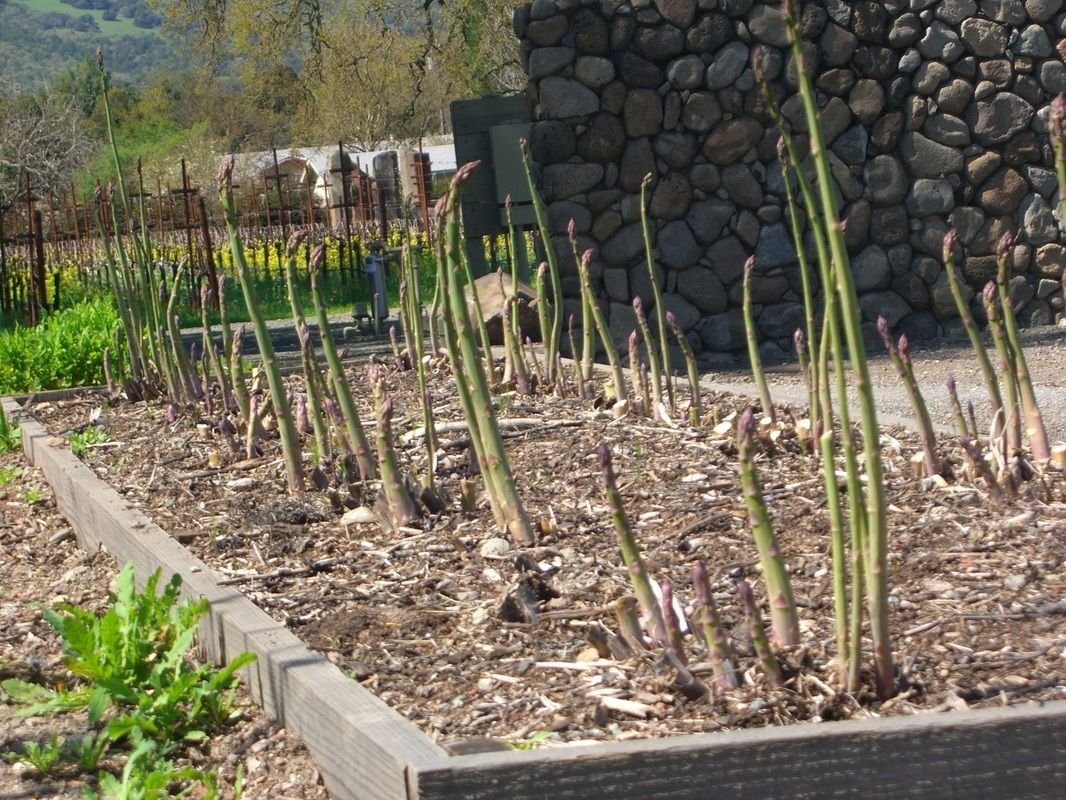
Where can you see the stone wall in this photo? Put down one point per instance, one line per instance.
(936, 115)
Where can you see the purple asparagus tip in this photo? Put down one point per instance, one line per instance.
(882, 326)
(904, 346)
(571, 230)
(638, 305)
(1003, 247)
(951, 240)
(800, 338)
(749, 265)
(699, 573)
(988, 294)
(746, 424)
(603, 453)
(318, 256)
(633, 338)
(225, 172)
(951, 383)
(297, 238)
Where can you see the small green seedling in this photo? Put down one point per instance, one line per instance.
(80, 442)
(8, 475)
(530, 742)
(9, 434)
(42, 757)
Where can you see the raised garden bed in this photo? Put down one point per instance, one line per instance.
(366, 749)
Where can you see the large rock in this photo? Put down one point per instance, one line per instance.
(887, 180)
(545, 61)
(741, 186)
(838, 45)
(946, 129)
(636, 72)
(594, 71)
(643, 113)
(871, 270)
(676, 149)
(591, 36)
(710, 32)
(1002, 193)
(562, 212)
(999, 117)
(774, 248)
(624, 246)
(929, 159)
(930, 196)
(671, 198)
(1050, 260)
(701, 112)
(678, 13)
(983, 37)
(1038, 223)
(780, 320)
(659, 44)
(767, 25)
(708, 218)
(686, 314)
(551, 142)
(561, 181)
(727, 257)
(686, 72)
(678, 248)
(726, 66)
(886, 304)
(732, 139)
(638, 160)
(563, 98)
(492, 295)
(604, 139)
(701, 287)
(724, 332)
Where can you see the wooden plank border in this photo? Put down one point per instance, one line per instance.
(366, 751)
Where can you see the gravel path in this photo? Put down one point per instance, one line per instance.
(1045, 353)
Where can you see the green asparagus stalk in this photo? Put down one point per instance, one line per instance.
(900, 358)
(1057, 128)
(287, 430)
(481, 414)
(1035, 431)
(752, 336)
(341, 390)
(579, 370)
(540, 278)
(617, 377)
(634, 370)
(767, 660)
(638, 573)
(660, 317)
(401, 507)
(1012, 417)
(951, 239)
(552, 337)
(653, 357)
(694, 411)
(719, 651)
(784, 619)
(876, 553)
(675, 639)
(956, 407)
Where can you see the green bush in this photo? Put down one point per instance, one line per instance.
(65, 350)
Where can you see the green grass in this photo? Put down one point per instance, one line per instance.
(122, 26)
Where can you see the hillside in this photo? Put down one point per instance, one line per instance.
(42, 39)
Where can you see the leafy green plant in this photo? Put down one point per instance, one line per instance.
(9, 434)
(42, 757)
(133, 658)
(146, 776)
(530, 742)
(79, 442)
(9, 475)
(32, 495)
(85, 752)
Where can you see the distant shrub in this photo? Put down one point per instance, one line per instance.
(65, 350)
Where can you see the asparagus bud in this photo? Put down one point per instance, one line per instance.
(719, 651)
(767, 659)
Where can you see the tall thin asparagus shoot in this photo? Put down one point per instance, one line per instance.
(694, 412)
(763, 651)
(617, 378)
(657, 296)
(341, 390)
(914, 393)
(783, 616)
(638, 573)
(752, 338)
(719, 651)
(400, 506)
(653, 357)
(469, 376)
(290, 442)
(951, 239)
(1011, 413)
(876, 552)
(1035, 432)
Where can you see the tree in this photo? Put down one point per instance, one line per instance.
(43, 138)
(376, 69)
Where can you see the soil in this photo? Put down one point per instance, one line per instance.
(42, 565)
(483, 644)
